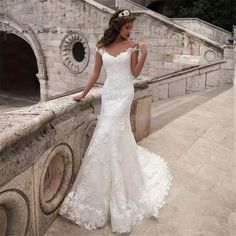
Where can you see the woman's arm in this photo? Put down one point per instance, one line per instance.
(137, 65)
(94, 77)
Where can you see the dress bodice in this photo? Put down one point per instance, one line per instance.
(119, 65)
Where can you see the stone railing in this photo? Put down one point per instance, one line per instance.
(41, 149)
(202, 27)
(188, 81)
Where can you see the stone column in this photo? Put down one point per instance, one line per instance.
(234, 28)
(141, 111)
(43, 87)
(228, 68)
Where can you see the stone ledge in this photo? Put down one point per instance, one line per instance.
(17, 124)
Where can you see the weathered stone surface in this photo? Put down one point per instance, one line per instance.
(163, 91)
(17, 201)
(177, 88)
(143, 117)
(213, 78)
(202, 27)
(196, 83)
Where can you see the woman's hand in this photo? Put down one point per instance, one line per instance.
(78, 97)
(143, 47)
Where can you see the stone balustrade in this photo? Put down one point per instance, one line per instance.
(202, 27)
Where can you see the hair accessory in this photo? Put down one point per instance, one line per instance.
(124, 13)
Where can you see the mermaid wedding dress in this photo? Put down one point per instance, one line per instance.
(118, 179)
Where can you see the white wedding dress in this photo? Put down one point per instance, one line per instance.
(118, 179)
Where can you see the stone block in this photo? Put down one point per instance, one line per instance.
(229, 65)
(177, 88)
(17, 204)
(227, 76)
(163, 91)
(196, 83)
(143, 117)
(213, 78)
(155, 91)
(187, 59)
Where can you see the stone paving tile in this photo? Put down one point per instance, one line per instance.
(198, 148)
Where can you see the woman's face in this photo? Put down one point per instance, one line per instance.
(126, 29)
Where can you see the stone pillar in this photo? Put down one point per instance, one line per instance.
(43, 87)
(228, 68)
(141, 111)
(234, 28)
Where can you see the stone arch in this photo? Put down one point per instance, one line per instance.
(24, 31)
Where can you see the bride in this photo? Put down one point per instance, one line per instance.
(118, 179)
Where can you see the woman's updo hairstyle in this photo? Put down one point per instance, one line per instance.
(117, 20)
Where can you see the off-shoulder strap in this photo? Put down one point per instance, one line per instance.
(99, 50)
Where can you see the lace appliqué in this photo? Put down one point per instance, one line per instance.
(101, 51)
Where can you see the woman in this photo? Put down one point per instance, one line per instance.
(118, 179)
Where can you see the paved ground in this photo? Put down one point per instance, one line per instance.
(194, 134)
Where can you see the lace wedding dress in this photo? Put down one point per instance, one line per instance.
(118, 179)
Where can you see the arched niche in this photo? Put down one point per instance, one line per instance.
(10, 26)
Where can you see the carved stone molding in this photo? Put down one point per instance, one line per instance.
(210, 55)
(14, 213)
(25, 32)
(75, 52)
(55, 178)
(87, 135)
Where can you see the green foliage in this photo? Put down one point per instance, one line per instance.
(218, 12)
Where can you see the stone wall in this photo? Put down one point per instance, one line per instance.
(204, 28)
(41, 150)
(171, 47)
(56, 26)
